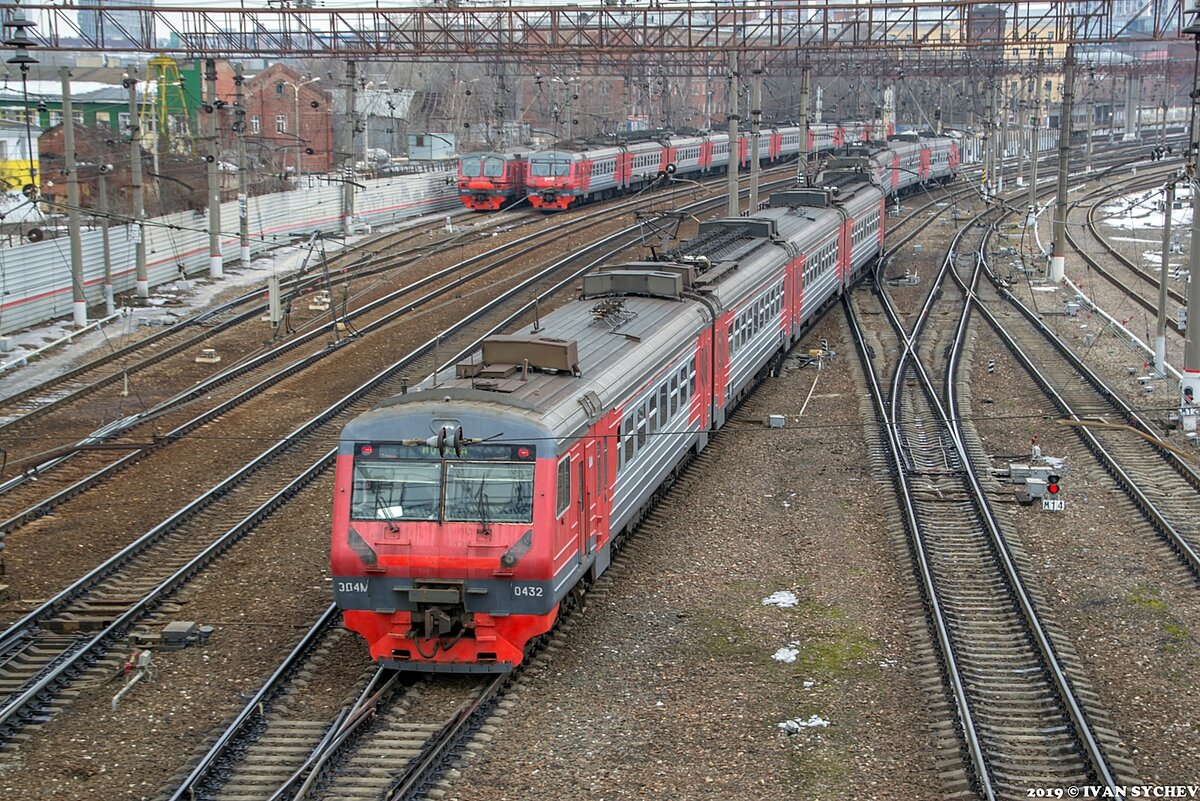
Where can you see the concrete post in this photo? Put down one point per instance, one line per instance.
(1058, 261)
(102, 189)
(802, 156)
(135, 185)
(239, 127)
(1160, 330)
(348, 166)
(216, 265)
(755, 128)
(1133, 88)
(734, 206)
(1035, 137)
(78, 300)
(1189, 405)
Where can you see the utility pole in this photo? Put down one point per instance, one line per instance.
(348, 166)
(78, 300)
(1160, 331)
(1112, 106)
(1001, 108)
(135, 185)
(239, 127)
(1022, 105)
(102, 188)
(735, 206)
(1035, 136)
(1132, 90)
(1091, 112)
(802, 156)
(989, 143)
(1058, 261)
(755, 127)
(1189, 403)
(216, 265)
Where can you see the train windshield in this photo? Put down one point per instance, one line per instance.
(396, 491)
(493, 168)
(476, 492)
(545, 169)
(470, 166)
(482, 492)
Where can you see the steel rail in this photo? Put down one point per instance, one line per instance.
(520, 247)
(953, 673)
(59, 672)
(1155, 516)
(953, 420)
(1066, 694)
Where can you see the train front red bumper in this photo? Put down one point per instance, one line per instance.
(550, 202)
(481, 202)
(495, 645)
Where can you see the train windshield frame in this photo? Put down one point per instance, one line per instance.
(484, 483)
(471, 166)
(493, 167)
(549, 168)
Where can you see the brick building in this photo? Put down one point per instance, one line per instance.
(275, 98)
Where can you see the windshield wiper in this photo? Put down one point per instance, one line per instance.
(484, 524)
(379, 507)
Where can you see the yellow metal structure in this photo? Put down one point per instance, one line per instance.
(165, 115)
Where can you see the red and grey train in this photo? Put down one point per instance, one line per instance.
(465, 512)
(572, 174)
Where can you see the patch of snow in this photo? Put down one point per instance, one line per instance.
(796, 725)
(782, 598)
(786, 655)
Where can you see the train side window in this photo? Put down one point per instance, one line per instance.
(662, 405)
(627, 438)
(692, 377)
(641, 426)
(652, 416)
(563, 498)
(683, 387)
(674, 395)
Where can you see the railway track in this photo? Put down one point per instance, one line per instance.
(37, 661)
(314, 329)
(1021, 721)
(200, 405)
(1133, 289)
(72, 385)
(1159, 482)
(397, 743)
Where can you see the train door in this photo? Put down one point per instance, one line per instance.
(588, 506)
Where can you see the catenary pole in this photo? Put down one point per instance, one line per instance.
(78, 299)
(734, 208)
(135, 185)
(239, 127)
(216, 265)
(1058, 261)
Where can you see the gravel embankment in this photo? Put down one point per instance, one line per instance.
(667, 688)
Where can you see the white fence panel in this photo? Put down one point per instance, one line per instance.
(35, 278)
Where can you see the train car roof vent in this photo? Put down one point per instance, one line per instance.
(507, 355)
(794, 198)
(652, 283)
(751, 227)
(905, 136)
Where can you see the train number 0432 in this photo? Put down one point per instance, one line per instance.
(527, 590)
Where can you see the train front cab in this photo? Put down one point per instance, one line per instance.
(451, 554)
(437, 557)
(488, 181)
(556, 180)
